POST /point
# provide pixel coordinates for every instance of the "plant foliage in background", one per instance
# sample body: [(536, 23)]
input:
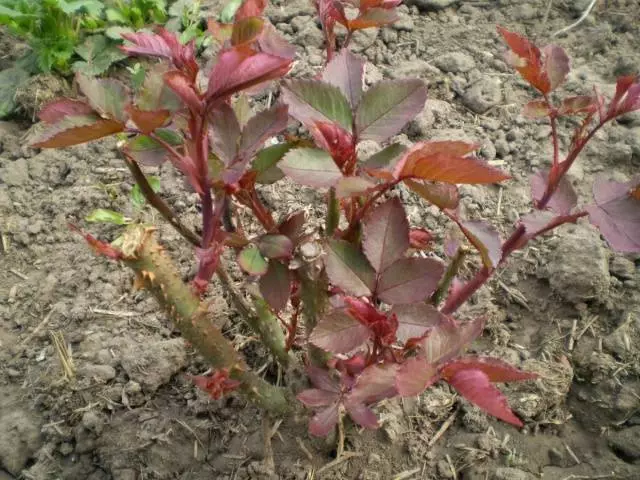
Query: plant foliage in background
[(378, 304)]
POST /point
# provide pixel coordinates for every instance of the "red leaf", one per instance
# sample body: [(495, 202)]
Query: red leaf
[(556, 65), (382, 326), (147, 121), (240, 68), (182, 85), (537, 109), (315, 397), (324, 421), (446, 340), (275, 285), (346, 71), (98, 246), (73, 130), (617, 213), (146, 44), (386, 234), (293, 226), (216, 384), (61, 108), (375, 383), (446, 161), (474, 385), (373, 17), (443, 195), (362, 415), (496, 370), (348, 187), (627, 96), (107, 96), (526, 58), (539, 222), (563, 200), (409, 280), (337, 332), (335, 140), (416, 319), (225, 132), (414, 376), (486, 239), (250, 8), (261, 127), (321, 378), (419, 238)]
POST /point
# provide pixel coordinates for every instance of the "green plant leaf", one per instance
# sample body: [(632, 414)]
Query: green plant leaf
[(251, 261), (101, 215), (98, 55), (312, 101), (93, 8), (10, 79), (229, 11), (147, 151), (115, 32), (115, 16), (388, 106), (137, 197), (311, 166), (385, 157), (266, 161)]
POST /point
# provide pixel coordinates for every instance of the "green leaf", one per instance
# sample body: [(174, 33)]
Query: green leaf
[(10, 79), (101, 215), (265, 163), (388, 106), (115, 32), (98, 54), (115, 16), (312, 101), (137, 197), (349, 269), (252, 262), (147, 151), (229, 11), (93, 8), (385, 157), (311, 167)]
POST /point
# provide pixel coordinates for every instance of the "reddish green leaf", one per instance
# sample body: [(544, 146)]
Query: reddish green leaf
[(73, 130), (346, 71), (556, 65), (311, 167), (387, 107), (578, 104), (536, 109), (617, 213), (361, 414), (375, 383), (182, 86), (147, 151), (446, 161), (314, 397), (409, 280), (265, 163), (148, 120), (275, 246), (416, 319), (414, 376), (338, 332), (275, 285), (446, 340), (251, 261), (261, 127), (155, 94), (474, 385), (419, 238), (293, 226), (497, 370), (225, 132), (386, 234), (348, 268), (384, 159), (312, 101), (107, 96), (246, 30), (541, 221), (323, 422), (443, 195), (149, 44), (486, 239), (373, 17), (563, 200), (250, 8), (353, 187), (58, 109)]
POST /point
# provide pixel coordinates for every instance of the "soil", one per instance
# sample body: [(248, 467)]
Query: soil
[(124, 408)]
